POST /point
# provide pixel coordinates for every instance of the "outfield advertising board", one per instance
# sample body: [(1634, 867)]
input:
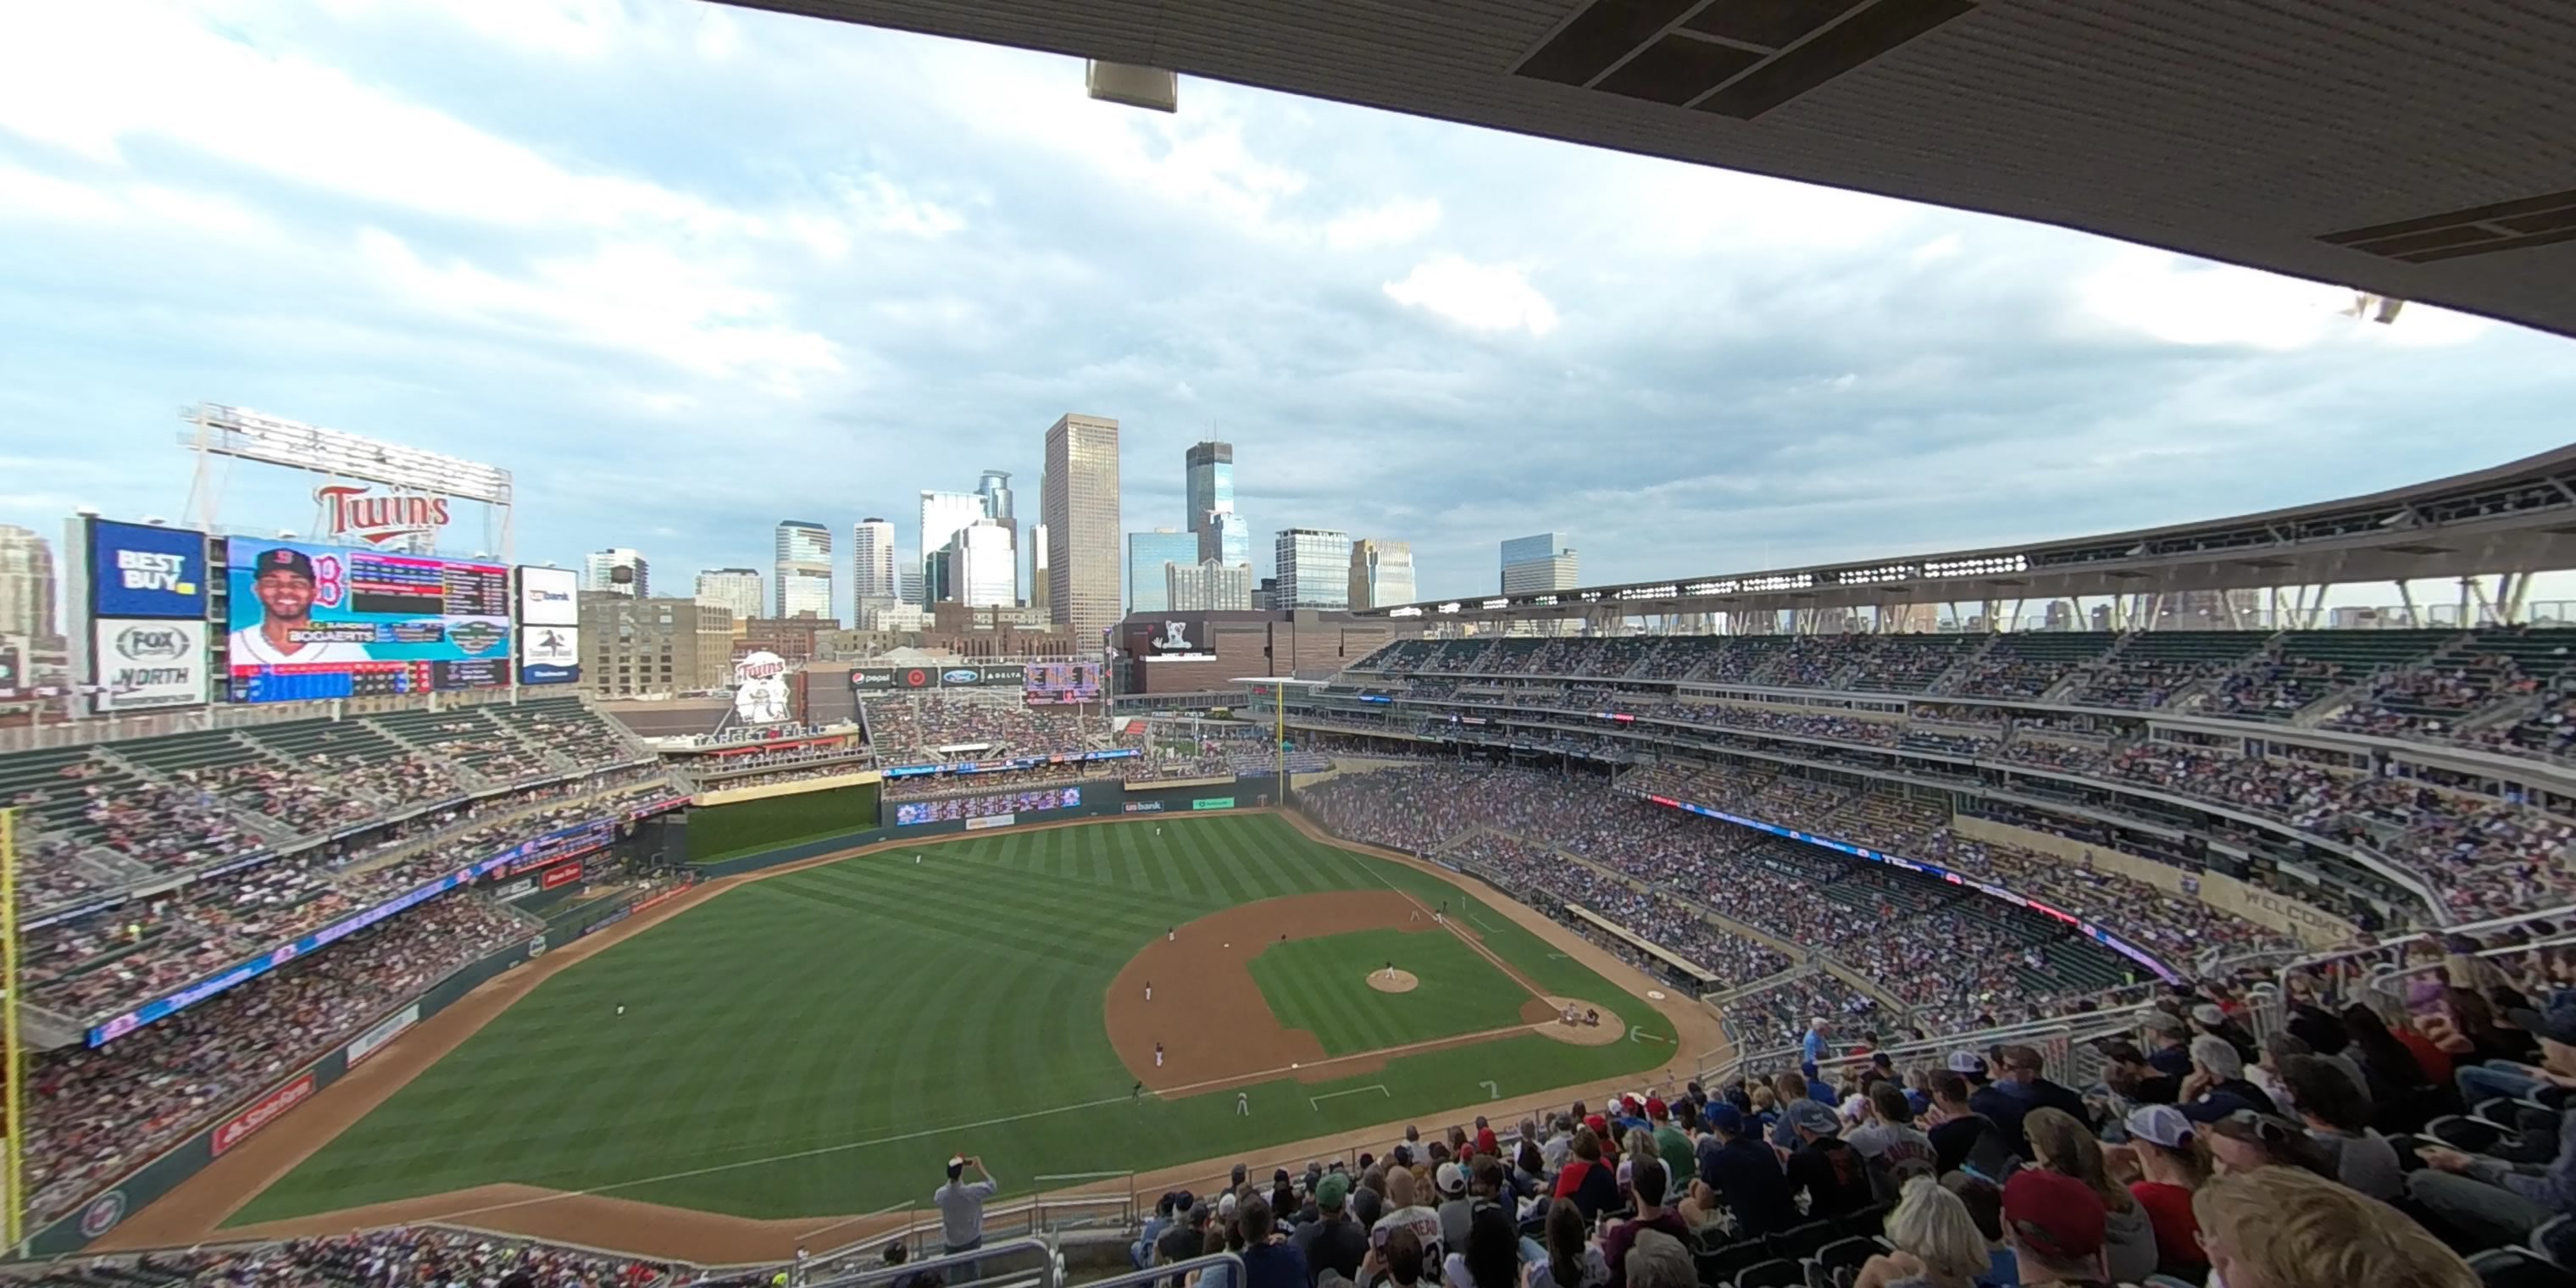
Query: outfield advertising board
[(382, 1034), (892, 679), (145, 663), (1213, 802), (560, 876), (265, 1110), (949, 809), (991, 821), (307, 622)]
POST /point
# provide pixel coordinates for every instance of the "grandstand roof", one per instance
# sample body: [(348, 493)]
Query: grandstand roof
[(2414, 148), (2518, 517)]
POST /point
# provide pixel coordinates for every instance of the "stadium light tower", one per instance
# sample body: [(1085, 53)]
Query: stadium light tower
[(338, 456)]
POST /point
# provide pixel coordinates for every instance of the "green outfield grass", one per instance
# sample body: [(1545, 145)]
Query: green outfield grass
[(1321, 986), (817, 1043)]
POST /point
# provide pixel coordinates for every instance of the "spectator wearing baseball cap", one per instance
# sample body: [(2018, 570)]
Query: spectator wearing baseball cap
[(1824, 1167), (2054, 1225), (1186, 1237), (1746, 1174), (2170, 1170), (1456, 1209), (1332, 1241), (2168, 1044), (961, 1206), (2217, 1088)]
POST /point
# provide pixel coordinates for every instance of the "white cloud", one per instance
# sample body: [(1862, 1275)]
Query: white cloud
[(634, 297), (1391, 223), (2190, 302), (1480, 297)]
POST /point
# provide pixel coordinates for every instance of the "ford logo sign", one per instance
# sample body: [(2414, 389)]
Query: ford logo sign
[(142, 643), (959, 676)]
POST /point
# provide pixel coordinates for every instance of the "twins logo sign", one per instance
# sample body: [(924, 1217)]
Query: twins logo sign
[(760, 689)]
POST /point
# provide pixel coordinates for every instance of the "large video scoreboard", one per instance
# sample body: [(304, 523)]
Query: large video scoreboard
[(307, 622)]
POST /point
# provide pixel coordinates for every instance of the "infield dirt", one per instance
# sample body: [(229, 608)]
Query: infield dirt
[(194, 1212)]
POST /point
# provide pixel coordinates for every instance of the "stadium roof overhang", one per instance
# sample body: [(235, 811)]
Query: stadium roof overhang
[(2416, 149), (2515, 518)]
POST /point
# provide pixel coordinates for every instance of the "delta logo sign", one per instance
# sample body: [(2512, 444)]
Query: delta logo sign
[(354, 514)]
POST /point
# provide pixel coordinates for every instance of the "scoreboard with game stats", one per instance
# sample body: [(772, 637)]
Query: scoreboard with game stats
[(310, 622)]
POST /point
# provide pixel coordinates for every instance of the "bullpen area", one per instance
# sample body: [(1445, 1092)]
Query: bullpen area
[(805, 1048)]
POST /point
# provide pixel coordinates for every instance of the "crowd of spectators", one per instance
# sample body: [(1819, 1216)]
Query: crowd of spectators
[(932, 727), (1947, 962), (401, 1255), (2483, 854), (166, 826), (85, 967), (96, 1112), (2197, 1154)]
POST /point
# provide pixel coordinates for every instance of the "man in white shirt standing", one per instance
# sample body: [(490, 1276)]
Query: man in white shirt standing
[(283, 581)]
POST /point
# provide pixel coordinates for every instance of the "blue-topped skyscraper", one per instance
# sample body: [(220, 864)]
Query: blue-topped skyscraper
[(1220, 531), (1538, 563)]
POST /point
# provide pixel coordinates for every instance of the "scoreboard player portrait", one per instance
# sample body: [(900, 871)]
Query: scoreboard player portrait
[(283, 581)]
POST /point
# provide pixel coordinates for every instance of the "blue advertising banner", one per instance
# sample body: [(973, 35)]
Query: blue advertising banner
[(141, 571)]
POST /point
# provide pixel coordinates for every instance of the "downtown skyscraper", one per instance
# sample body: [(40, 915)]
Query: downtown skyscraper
[(1080, 510), (804, 574), (872, 571), (1210, 499)]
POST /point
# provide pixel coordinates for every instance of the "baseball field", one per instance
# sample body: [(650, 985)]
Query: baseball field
[(817, 1042)]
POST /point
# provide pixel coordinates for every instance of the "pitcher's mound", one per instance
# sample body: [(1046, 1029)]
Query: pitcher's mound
[(1393, 981), (1582, 1032)]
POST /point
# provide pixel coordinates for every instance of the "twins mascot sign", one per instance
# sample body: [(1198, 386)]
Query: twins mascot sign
[(760, 689)]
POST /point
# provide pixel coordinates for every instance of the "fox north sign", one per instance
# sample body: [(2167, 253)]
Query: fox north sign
[(357, 514)]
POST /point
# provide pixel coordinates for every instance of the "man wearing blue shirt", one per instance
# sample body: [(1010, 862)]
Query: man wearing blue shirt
[(2492, 1203)]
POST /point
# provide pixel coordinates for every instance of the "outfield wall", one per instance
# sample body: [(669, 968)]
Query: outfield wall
[(1110, 801), (717, 833), (246, 1118)]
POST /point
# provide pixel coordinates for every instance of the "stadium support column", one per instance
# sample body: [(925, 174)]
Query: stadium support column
[(1279, 737), (13, 1153)]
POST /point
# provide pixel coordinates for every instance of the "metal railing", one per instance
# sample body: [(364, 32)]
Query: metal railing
[(1050, 1274), (1144, 1278)]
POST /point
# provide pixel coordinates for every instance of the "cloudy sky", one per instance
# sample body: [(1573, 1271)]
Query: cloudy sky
[(689, 269)]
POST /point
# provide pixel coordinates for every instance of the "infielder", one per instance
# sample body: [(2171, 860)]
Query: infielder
[(1243, 1104), (1158, 1055)]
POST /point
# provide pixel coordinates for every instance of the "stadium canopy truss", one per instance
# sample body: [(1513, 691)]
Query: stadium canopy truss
[(2411, 149), (2510, 521)]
